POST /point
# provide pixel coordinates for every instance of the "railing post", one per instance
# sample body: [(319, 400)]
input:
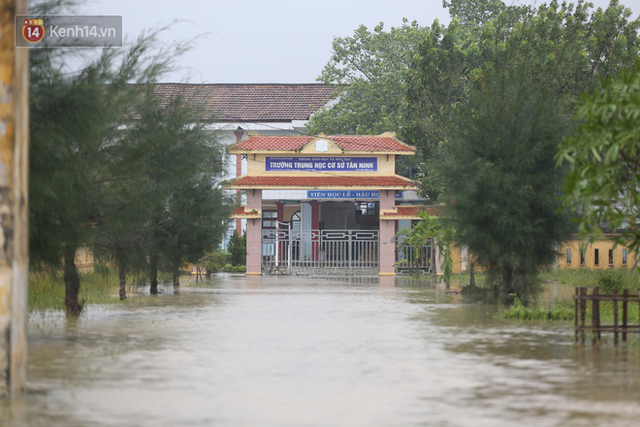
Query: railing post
[(595, 316), (576, 313), (349, 248), (290, 246), (615, 316), (625, 296), (583, 312)]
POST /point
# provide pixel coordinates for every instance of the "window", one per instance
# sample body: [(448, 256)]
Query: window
[(582, 257), (269, 219), (610, 256), (568, 256), (367, 208), (295, 221), (624, 257), (596, 257)]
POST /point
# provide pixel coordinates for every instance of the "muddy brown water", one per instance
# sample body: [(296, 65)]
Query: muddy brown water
[(292, 351)]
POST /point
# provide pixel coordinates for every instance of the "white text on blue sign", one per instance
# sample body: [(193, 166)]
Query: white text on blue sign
[(319, 164)]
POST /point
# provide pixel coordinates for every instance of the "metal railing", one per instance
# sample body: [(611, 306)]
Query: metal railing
[(412, 260), (285, 250)]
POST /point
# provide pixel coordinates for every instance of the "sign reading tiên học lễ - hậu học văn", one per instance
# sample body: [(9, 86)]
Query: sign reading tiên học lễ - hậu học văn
[(343, 194), (319, 164)]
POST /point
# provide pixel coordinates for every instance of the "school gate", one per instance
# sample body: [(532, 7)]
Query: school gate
[(323, 203)]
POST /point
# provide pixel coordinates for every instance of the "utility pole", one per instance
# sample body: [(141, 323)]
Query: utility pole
[(14, 209)]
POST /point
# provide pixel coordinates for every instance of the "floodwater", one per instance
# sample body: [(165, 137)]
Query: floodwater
[(294, 351)]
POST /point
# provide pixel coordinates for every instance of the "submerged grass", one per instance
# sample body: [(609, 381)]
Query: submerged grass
[(560, 311), (556, 303), (47, 292), (561, 307)]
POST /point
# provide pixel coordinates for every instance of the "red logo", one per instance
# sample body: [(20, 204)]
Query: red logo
[(33, 30)]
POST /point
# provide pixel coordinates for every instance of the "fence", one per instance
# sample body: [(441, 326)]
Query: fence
[(620, 325), (286, 250), (413, 260)]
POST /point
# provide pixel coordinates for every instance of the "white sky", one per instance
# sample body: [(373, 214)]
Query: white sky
[(258, 41)]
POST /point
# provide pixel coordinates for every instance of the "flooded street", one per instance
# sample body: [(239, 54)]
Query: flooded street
[(310, 352)]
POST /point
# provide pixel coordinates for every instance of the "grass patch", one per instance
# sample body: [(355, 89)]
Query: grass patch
[(559, 312), (46, 290), (228, 268)]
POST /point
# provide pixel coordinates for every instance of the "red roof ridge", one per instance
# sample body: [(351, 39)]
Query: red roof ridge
[(386, 142), (321, 182)]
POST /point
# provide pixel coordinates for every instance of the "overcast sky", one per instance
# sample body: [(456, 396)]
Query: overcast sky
[(258, 41)]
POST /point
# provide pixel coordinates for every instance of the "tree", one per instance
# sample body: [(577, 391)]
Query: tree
[(237, 248), (179, 164), (198, 218), (369, 67), (71, 115), (75, 120), (569, 48), (501, 181), (603, 158)]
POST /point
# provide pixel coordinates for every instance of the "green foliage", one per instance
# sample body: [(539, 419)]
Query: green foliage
[(571, 276), (113, 166), (501, 179), (617, 279), (215, 261), (431, 227), (229, 268), (372, 64), (568, 48), (604, 158), (238, 248), (47, 291), (517, 311)]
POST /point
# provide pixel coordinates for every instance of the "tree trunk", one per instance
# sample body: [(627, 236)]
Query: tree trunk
[(472, 274), (176, 274), (71, 281), (153, 273), (434, 265), (122, 275)]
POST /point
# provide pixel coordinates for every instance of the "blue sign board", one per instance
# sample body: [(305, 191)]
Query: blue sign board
[(320, 164), (343, 194), (347, 194)]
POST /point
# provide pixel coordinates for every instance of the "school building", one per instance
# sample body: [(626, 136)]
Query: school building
[(323, 203)]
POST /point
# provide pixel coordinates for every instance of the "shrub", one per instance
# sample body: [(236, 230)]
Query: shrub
[(228, 268), (616, 279)]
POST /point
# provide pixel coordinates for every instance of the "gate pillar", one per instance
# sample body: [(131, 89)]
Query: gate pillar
[(254, 234), (387, 235)]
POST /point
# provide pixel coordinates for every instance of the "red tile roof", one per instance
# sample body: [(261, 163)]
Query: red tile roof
[(367, 143), (322, 182), (252, 102), (412, 211)]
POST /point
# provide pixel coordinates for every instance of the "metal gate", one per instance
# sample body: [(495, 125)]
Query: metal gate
[(414, 260), (320, 251)]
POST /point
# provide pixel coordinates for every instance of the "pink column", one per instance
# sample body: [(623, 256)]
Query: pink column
[(438, 264), (254, 234), (315, 225), (239, 134), (387, 235), (280, 218)]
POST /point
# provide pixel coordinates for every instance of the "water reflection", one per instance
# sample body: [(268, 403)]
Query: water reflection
[(291, 351)]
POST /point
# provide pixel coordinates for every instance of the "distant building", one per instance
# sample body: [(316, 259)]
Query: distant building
[(270, 109)]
